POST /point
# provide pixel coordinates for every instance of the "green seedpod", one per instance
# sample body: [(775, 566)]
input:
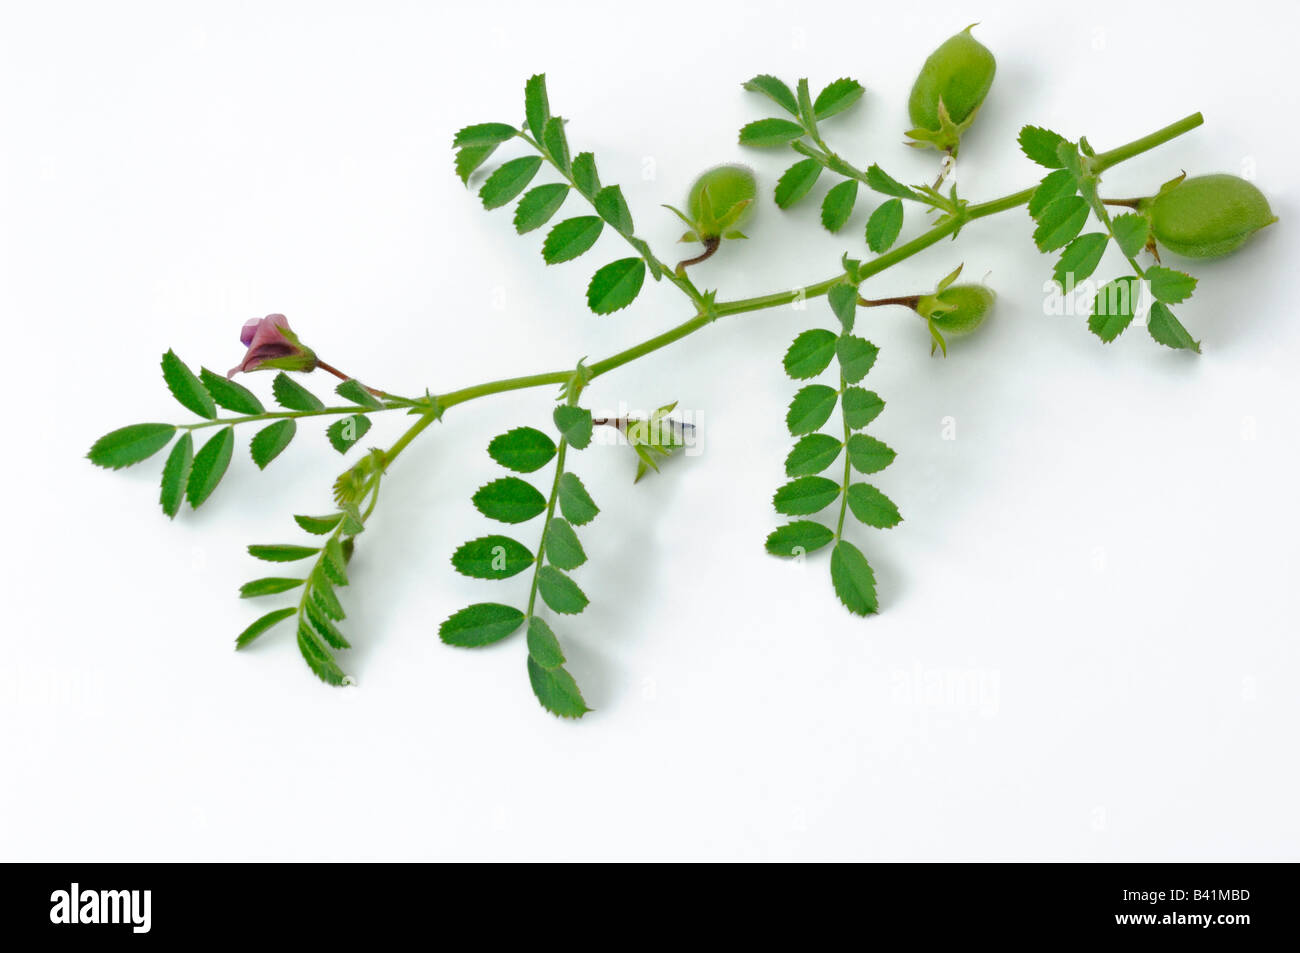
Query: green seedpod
[(949, 91), (954, 311), (1206, 216), (721, 201)]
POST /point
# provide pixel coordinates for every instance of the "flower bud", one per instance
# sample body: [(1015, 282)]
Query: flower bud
[(949, 91), (720, 201), (1207, 216), (272, 345)]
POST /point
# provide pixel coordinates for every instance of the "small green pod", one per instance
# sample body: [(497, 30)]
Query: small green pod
[(1207, 216), (958, 309), (949, 91), (721, 201)]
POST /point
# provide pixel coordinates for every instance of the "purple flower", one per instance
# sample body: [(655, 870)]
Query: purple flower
[(272, 345)]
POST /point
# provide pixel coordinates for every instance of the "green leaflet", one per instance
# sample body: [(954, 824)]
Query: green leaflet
[(322, 625), (359, 394), (1080, 259), (884, 225), (508, 180), (616, 285), (811, 408), (837, 97), (319, 525), (1056, 185), (509, 500), (470, 158), (129, 445), (856, 357), (861, 407), (1061, 222), (798, 538), (812, 454), (556, 690), (838, 204), (1131, 232), (1165, 329), (765, 133), (805, 495), (843, 300), (612, 207), (483, 134), (574, 424), (492, 557), (537, 106), (268, 442), (543, 646), (269, 586), (538, 205), (880, 181), (810, 354), (176, 474), (575, 503), (869, 455), (1168, 285), (291, 395), (853, 579), (480, 624), (556, 143), (209, 466), (1113, 307), (1041, 145), (523, 449), (796, 182), (230, 395), (571, 238), (318, 657), (282, 552), (344, 433), (560, 592), (585, 175), (775, 90), (872, 507), (262, 625), (563, 550), (186, 388)]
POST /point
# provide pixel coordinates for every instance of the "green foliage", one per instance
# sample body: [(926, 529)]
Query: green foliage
[(556, 690), (538, 205), (563, 550), (837, 97), (359, 394), (269, 586), (176, 474), (775, 90), (867, 454), (523, 449), (1113, 308), (616, 285), (811, 408), (805, 495), (263, 624), (765, 133), (812, 454), (509, 500), (492, 557), (268, 442), (560, 592), (575, 502), (853, 579), (838, 205), (796, 182), (872, 507), (130, 445), (508, 180), (186, 388), (571, 238), (231, 395), (574, 424), (480, 624), (798, 538), (282, 552), (861, 407), (810, 354), (884, 225), (543, 646), (209, 466), (291, 395)]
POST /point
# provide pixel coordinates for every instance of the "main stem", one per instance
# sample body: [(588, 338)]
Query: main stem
[(1102, 161)]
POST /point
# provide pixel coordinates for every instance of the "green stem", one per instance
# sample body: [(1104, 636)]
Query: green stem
[(848, 473), (878, 264), (289, 414)]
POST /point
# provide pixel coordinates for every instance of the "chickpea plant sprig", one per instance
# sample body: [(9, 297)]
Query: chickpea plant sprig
[(1199, 217)]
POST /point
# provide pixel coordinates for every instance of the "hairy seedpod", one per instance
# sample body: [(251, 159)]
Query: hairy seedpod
[(949, 91), (1207, 216), (721, 200)]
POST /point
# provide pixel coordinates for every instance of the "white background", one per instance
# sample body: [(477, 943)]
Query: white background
[(1087, 644)]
